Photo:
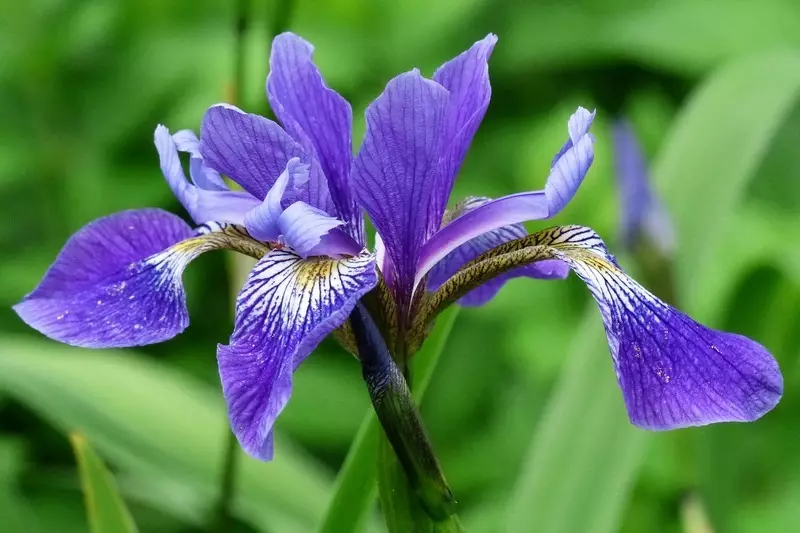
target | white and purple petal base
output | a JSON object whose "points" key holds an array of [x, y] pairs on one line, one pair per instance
{"points": [[286, 307]]}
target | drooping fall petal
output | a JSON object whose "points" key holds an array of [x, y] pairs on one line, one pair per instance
{"points": [[117, 282], [286, 307]]}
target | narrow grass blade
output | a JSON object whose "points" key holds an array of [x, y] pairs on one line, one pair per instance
{"points": [[105, 509], [153, 420], [585, 453]]}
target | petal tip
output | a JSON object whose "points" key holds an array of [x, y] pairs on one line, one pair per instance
{"points": [[487, 43], [579, 123], [223, 106], [289, 36]]}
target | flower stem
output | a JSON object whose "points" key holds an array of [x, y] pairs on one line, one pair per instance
{"points": [[399, 418], [227, 484], [282, 14]]}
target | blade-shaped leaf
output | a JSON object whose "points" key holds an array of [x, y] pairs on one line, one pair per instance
{"points": [[354, 495], [149, 418], [712, 152], [585, 453], [15, 512], [104, 506], [585, 456]]}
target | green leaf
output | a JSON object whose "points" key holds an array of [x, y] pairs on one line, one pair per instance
{"points": [[585, 454], [148, 418], [758, 236], [401, 508], [104, 506], [710, 32], [712, 152], [15, 512], [354, 493]]}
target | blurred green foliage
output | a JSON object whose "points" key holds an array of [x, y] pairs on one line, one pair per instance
{"points": [[522, 407]]}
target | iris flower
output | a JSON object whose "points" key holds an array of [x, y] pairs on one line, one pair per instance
{"points": [[643, 214], [117, 282]]}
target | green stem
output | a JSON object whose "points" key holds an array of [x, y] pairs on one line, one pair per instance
{"points": [[352, 501], [227, 484], [229, 459], [282, 14], [397, 413]]}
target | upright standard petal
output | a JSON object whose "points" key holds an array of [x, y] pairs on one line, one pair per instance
{"points": [[455, 260], [571, 163], [395, 170], [254, 151], [287, 306], [673, 371], [316, 116], [505, 211], [643, 215], [569, 168], [117, 282], [202, 176], [466, 77], [203, 205]]}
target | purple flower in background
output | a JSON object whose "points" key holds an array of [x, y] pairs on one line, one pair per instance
{"points": [[643, 215], [117, 282]]}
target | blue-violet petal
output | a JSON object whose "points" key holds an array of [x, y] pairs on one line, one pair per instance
{"points": [[316, 116], [643, 215], [286, 307], [253, 151], [673, 371], [444, 269], [117, 282], [466, 77], [394, 173]]}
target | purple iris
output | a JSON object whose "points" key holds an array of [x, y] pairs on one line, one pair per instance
{"points": [[117, 282], [643, 215]]}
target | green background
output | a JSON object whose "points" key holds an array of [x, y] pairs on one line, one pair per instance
{"points": [[523, 407]]}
